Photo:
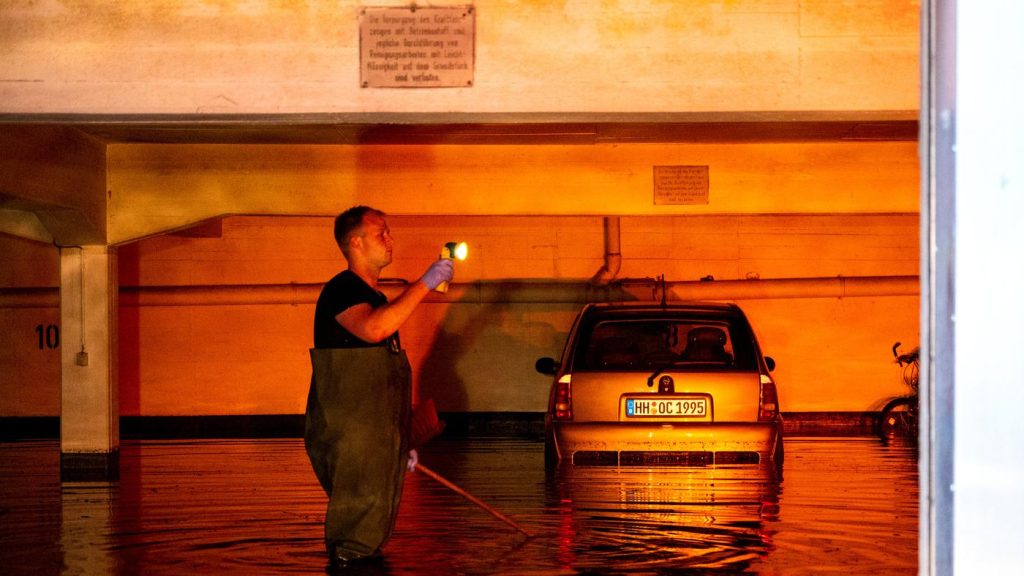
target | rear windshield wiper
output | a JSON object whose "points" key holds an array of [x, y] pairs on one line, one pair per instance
{"points": [[658, 371]]}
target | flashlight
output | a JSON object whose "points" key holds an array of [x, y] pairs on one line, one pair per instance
{"points": [[452, 251]]}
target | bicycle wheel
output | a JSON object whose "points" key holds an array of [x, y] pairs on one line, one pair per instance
{"points": [[899, 418]]}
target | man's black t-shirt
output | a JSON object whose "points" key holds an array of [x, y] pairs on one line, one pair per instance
{"points": [[339, 294]]}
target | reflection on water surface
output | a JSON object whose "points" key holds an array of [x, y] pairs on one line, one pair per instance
{"points": [[645, 519], [843, 505]]}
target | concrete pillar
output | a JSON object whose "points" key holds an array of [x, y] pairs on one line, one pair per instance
{"points": [[88, 364]]}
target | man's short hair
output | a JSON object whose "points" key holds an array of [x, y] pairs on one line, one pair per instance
{"points": [[348, 223]]}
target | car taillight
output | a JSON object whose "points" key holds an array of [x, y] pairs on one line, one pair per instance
{"points": [[768, 407], [563, 398]]}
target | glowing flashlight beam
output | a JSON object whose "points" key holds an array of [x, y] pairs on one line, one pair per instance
{"points": [[452, 251], [457, 250]]}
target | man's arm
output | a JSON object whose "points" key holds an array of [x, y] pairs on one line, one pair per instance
{"points": [[375, 324]]}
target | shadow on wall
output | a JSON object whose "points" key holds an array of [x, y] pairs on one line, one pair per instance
{"points": [[438, 376], [491, 349]]}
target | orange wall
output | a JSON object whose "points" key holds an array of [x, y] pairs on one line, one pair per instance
{"points": [[833, 354], [29, 374]]}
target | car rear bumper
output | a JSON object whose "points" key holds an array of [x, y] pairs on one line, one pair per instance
{"points": [[614, 443]]}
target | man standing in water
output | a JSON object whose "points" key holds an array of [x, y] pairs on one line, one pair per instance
{"points": [[358, 410]]}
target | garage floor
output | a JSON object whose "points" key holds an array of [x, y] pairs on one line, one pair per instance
{"points": [[844, 505]]}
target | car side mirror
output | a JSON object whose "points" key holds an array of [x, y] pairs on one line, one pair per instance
{"points": [[547, 366], [770, 362]]}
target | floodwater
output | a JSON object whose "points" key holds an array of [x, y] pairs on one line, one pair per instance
{"points": [[842, 506]]}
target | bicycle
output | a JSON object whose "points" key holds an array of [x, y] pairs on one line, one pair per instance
{"points": [[900, 415]]}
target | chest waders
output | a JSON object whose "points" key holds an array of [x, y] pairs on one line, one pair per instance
{"points": [[357, 420]]}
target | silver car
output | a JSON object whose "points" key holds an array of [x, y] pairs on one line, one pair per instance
{"points": [[654, 384]]}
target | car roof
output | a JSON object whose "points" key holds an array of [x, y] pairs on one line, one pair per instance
{"points": [[678, 306]]}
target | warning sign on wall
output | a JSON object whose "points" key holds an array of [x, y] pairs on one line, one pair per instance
{"points": [[416, 47]]}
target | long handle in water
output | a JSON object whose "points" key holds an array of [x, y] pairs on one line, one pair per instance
{"points": [[471, 498]]}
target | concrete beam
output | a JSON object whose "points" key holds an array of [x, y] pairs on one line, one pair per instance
{"points": [[24, 224], [59, 175], [156, 188], [172, 57]]}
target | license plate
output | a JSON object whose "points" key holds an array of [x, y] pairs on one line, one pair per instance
{"points": [[663, 407]]}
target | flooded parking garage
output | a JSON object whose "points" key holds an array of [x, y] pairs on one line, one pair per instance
{"points": [[842, 505]]}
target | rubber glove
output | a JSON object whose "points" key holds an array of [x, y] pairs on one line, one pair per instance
{"points": [[414, 458], [440, 271]]}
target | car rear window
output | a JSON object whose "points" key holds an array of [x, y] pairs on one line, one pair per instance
{"points": [[650, 343]]}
